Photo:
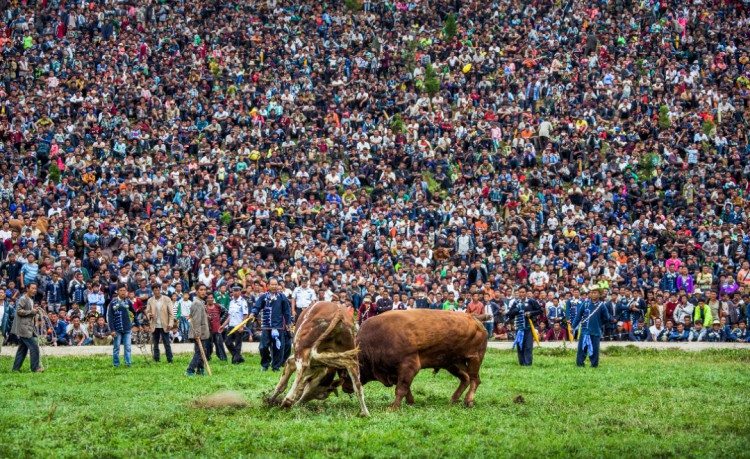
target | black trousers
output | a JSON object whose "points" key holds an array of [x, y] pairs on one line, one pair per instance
{"points": [[156, 335], [269, 354], [526, 349], [217, 341], [27, 345], [234, 344], [196, 363]]}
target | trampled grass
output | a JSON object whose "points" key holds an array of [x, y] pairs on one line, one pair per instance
{"points": [[637, 404]]}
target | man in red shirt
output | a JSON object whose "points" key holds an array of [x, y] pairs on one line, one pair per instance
{"points": [[556, 333], [214, 312], [475, 306]]}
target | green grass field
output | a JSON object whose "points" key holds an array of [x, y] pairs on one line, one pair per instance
{"points": [[637, 404]]}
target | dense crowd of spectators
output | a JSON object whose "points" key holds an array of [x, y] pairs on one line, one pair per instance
{"points": [[568, 146]]}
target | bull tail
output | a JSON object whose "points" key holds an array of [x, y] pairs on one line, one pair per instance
{"points": [[336, 359]]}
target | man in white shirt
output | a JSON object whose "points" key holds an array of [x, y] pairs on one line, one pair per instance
{"points": [[656, 329], [237, 313], [538, 278], [302, 297]]}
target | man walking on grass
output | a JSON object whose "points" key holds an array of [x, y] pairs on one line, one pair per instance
{"points": [[238, 311], [199, 331], [277, 316], [23, 328], [591, 316]]}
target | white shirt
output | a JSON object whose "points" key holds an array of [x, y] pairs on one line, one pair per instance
{"points": [[304, 297], [237, 311]]}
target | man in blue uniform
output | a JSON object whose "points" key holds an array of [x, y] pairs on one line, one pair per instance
{"points": [[277, 316], [522, 309], [591, 316]]}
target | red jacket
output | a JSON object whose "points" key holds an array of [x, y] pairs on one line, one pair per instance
{"points": [[214, 318], [367, 310]]}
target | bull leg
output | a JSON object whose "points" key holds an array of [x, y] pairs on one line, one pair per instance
{"points": [[302, 363], [464, 378], [311, 385], [474, 364], [353, 371], [406, 374], [283, 382]]}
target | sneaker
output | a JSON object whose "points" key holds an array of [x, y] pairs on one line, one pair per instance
{"points": [[189, 373], [39, 370]]}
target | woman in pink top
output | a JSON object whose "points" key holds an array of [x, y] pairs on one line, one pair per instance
{"points": [[673, 261]]}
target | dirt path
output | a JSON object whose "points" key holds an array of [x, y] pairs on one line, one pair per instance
{"points": [[252, 348]]}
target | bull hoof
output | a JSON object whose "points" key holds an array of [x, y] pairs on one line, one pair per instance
{"points": [[271, 401], [286, 403], [469, 403], [364, 414], [393, 408], [455, 400]]}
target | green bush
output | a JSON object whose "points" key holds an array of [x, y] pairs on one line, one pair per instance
{"points": [[709, 128], [647, 164], [450, 27], [397, 124], [54, 173], [664, 121], [353, 5], [431, 81]]}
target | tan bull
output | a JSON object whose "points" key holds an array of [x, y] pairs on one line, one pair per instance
{"points": [[323, 345]]}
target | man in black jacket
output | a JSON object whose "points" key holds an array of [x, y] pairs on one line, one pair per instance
{"points": [[384, 302]]}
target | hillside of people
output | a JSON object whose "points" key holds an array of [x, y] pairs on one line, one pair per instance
{"points": [[439, 154]]}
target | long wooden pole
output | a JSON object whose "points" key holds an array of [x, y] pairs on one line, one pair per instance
{"points": [[201, 350]]}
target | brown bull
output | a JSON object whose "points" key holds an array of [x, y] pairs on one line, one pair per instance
{"points": [[394, 346], [323, 344]]}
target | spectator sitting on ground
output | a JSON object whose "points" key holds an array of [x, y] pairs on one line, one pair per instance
{"points": [[102, 335]]}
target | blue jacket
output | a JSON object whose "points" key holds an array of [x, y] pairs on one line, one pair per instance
{"points": [[640, 335], [277, 311], [571, 308], [591, 324], [61, 330], [675, 335], [56, 292], [622, 309], [518, 310], [118, 315], [9, 311]]}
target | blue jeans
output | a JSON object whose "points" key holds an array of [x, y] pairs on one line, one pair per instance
{"points": [[184, 326], [121, 338]]}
